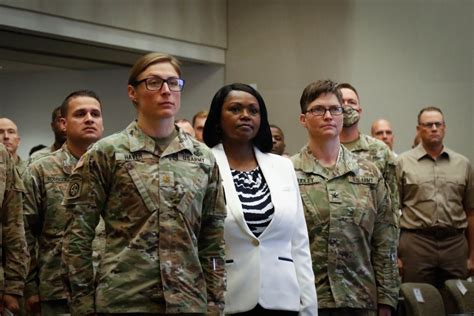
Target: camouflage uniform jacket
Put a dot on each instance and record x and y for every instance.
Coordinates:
(164, 217)
(376, 151)
(46, 181)
(13, 254)
(20, 165)
(352, 231)
(42, 152)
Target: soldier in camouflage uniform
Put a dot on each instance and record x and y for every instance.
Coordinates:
(160, 195)
(367, 147)
(352, 230)
(10, 138)
(13, 254)
(46, 181)
(59, 136)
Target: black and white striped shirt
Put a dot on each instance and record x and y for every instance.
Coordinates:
(254, 195)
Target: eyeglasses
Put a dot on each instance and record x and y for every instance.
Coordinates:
(430, 124)
(155, 83)
(335, 110)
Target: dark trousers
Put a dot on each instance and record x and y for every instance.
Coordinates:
(260, 311)
(432, 260)
(346, 312)
(54, 308)
(148, 314)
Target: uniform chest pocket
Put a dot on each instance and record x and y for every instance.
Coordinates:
(55, 217)
(144, 178)
(2, 192)
(420, 186)
(188, 196)
(3, 180)
(454, 188)
(364, 202)
(2, 188)
(364, 218)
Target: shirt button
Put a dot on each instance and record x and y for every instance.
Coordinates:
(255, 242)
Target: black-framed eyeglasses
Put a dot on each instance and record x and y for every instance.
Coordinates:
(155, 83)
(335, 110)
(430, 124)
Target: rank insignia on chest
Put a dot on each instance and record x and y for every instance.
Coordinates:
(334, 197)
(166, 179)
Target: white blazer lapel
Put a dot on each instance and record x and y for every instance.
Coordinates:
(234, 207)
(271, 174)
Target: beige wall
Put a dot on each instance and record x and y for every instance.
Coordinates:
(28, 98)
(195, 31)
(202, 22)
(400, 55)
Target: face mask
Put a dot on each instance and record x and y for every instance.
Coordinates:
(351, 117)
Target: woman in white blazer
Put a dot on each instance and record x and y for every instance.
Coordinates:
(268, 261)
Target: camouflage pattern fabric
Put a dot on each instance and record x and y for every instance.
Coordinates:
(40, 153)
(20, 165)
(46, 180)
(164, 218)
(46, 218)
(376, 151)
(13, 253)
(352, 231)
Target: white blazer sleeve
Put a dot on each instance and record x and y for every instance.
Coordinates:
(302, 257)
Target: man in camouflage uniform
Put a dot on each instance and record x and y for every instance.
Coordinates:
(10, 138)
(46, 181)
(13, 254)
(352, 230)
(59, 135)
(159, 192)
(365, 146)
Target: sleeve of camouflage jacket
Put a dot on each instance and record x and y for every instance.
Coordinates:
(385, 244)
(13, 240)
(211, 242)
(84, 199)
(31, 206)
(391, 182)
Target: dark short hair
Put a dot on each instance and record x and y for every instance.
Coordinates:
(212, 129)
(315, 89)
(429, 109)
(346, 85)
(77, 94)
(56, 114)
(35, 149)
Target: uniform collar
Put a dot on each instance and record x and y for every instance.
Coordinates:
(420, 152)
(309, 164)
(360, 143)
(69, 161)
(139, 141)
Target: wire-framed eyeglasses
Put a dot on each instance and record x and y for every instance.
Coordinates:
(334, 110)
(155, 83)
